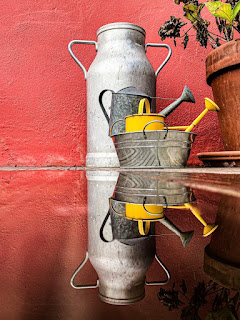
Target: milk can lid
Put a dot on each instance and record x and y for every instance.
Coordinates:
(121, 25)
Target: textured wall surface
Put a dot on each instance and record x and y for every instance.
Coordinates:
(43, 91)
(44, 238)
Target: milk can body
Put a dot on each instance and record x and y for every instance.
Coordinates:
(120, 62)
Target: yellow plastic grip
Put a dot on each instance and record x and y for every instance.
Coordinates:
(141, 105)
(143, 231)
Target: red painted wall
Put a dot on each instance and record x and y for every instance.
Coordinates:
(43, 92)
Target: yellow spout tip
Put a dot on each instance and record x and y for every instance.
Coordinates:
(209, 229)
(211, 105)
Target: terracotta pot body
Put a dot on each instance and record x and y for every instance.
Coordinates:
(223, 75)
(222, 255)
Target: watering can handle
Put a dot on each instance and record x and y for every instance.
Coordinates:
(102, 228)
(75, 58)
(143, 231)
(168, 56)
(160, 283)
(90, 286)
(101, 103)
(144, 102)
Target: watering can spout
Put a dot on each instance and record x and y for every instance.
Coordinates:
(210, 105)
(186, 96)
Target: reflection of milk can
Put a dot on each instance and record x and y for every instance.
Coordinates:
(121, 268)
(120, 62)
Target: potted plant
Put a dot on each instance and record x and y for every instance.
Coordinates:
(223, 63)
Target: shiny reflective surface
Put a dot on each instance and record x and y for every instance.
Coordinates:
(49, 219)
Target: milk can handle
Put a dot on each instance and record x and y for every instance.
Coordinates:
(168, 56)
(160, 283)
(90, 286)
(75, 58)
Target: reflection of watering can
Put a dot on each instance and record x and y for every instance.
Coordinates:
(126, 102)
(209, 106)
(122, 229)
(145, 213)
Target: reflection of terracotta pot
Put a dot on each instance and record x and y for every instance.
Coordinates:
(222, 255)
(223, 75)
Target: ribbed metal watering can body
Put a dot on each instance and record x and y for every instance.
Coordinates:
(120, 62)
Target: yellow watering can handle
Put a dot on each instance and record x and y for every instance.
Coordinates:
(141, 105)
(111, 128)
(143, 231)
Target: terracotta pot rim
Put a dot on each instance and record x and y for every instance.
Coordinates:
(225, 154)
(220, 59)
(222, 272)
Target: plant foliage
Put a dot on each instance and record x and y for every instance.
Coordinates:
(225, 14)
(225, 302)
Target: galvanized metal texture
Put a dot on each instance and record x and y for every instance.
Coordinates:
(124, 102)
(154, 149)
(111, 300)
(134, 187)
(123, 230)
(186, 96)
(121, 268)
(120, 62)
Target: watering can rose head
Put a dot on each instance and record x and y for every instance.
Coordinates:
(224, 13)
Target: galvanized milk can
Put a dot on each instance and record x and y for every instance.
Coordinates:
(120, 62)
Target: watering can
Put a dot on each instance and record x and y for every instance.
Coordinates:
(126, 103)
(141, 121)
(122, 229)
(147, 213)
(209, 106)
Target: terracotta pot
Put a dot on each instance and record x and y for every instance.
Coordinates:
(223, 75)
(222, 255)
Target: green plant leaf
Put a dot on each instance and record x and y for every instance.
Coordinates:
(190, 7)
(191, 16)
(235, 11)
(220, 10)
(224, 314)
(191, 12)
